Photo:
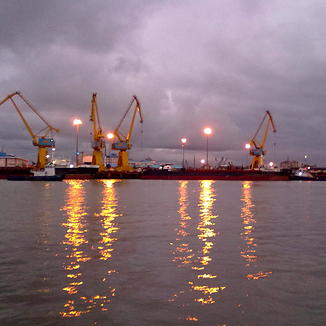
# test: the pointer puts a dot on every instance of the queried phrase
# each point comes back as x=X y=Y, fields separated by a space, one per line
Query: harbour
x=162 y=163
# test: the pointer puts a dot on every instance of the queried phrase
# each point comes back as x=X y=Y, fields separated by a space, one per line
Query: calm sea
x=137 y=252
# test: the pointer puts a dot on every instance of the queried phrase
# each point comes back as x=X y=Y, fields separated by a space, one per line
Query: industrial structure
x=98 y=141
x=123 y=143
x=42 y=139
x=257 y=148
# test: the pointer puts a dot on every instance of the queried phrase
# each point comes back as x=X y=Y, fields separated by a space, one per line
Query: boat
x=302 y=174
x=236 y=174
x=46 y=174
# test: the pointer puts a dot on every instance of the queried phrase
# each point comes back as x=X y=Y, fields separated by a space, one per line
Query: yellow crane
x=98 y=142
x=40 y=139
x=257 y=149
x=124 y=141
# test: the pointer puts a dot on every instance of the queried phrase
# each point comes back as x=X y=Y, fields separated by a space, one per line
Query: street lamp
x=247 y=146
x=183 y=143
x=305 y=160
x=77 y=123
x=207 y=131
x=109 y=136
x=202 y=161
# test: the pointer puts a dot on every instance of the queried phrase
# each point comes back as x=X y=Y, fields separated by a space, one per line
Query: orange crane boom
x=42 y=141
x=124 y=141
x=257 y=149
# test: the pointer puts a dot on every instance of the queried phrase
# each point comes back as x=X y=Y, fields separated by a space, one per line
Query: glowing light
x=77 y=122
x=258 y=275
x=110 y=135
x=71 y=166
x=271 y=164
x=247 y=146
x=202 y=161
x=183 y=140
x=208 y=131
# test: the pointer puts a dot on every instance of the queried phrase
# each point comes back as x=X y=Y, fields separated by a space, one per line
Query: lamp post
x=207 y=131
x=109 y=136
x=183 y=143
x=77 y=123
x=305 y=160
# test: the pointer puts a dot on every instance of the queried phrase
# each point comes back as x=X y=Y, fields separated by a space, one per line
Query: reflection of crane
x=98 y=142
x=124 y=143
x=43 y=142
x=257 y=150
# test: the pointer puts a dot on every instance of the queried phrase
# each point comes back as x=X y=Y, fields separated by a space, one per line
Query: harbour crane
x=257 y=149
x=98 y=142
x=124 y=141
x=41 y=139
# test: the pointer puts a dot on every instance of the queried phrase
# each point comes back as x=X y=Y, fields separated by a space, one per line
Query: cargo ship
x=237 y=174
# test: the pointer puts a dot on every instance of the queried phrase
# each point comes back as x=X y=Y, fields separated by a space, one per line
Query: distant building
x=11 y=161
x=290 y=165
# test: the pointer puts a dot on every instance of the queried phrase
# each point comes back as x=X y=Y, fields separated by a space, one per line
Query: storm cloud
x=191 y=64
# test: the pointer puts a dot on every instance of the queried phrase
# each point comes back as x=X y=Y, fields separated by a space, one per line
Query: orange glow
x=77 y=122
x=208 y=131
x=257 y=276
x=183 y=253
x=110 y=135
x=247 y=146
x=248 y=221
x=108 y=214
x=76 y=246
x=206 y=236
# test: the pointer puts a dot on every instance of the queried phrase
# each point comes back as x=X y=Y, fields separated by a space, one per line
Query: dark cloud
x=191 y=63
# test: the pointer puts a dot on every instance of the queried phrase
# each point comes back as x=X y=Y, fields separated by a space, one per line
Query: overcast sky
x=191 y=64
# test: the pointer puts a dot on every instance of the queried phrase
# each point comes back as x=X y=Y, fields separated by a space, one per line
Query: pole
x=183 y=156
x=77 y=153
x=106 y=158
x=207 y=151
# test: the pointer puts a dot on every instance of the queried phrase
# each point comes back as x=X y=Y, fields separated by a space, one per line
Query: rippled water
x=138 y=252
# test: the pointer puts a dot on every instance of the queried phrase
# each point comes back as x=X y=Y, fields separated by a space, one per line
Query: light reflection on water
x=249 y=221
x=206 y=289
x=203 y=287
x=77 y=226
x=184 y=252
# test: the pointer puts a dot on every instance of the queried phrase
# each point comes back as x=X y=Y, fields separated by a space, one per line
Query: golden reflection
x=203 y=287
x=249 y=222
x=75 y=234
x=75 y=241
x=183 y=254
x=207 y=236
x=108 y=215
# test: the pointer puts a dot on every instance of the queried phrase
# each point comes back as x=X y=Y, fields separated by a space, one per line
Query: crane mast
x=257 y=149
x=42 y=141
x=124 y=141
x=98 y=142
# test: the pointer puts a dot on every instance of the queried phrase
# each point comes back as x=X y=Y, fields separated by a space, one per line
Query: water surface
x=138 y=252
